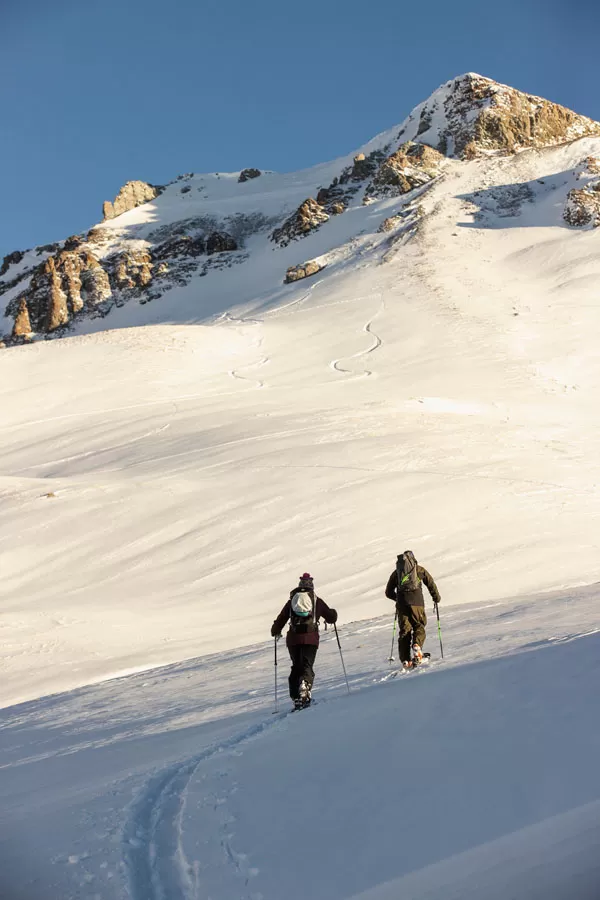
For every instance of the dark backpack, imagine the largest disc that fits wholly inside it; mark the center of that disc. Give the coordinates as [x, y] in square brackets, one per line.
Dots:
[406, 570]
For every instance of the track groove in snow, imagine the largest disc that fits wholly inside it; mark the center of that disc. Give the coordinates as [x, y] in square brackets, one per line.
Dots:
[153, 852]
[377, 342]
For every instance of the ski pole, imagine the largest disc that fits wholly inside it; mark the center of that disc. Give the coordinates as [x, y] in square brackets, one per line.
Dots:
[391, 656]
[341, 656]
[276, 700]
[439, 630]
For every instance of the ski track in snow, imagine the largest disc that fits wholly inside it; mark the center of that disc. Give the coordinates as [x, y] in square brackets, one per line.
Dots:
[152, 838]
[377, 342]
[234, 373]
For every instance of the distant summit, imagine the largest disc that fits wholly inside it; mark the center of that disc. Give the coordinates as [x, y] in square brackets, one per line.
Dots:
[471, 116]
[155, 239]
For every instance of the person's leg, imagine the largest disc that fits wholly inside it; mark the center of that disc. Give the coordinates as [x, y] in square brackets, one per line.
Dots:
[309, 653]
[404, 634]
[419, 621]
[296, 672]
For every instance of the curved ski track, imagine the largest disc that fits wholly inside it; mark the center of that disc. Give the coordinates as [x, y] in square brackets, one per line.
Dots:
[377, 342]
[156, 865]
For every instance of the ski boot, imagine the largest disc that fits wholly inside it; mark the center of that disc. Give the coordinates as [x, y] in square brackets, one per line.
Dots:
[304, 695]
[417, 655]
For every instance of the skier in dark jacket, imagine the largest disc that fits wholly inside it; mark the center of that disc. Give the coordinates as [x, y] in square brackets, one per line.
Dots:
[405, 587]
[303, 610]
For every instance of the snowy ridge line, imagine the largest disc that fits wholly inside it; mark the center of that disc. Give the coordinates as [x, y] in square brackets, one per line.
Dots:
[152, 847]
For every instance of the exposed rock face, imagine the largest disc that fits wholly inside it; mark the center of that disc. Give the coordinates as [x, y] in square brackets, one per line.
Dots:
[364, 167]
[132, 194]
[132, 269]
[180, 245]
[308, 217]
[247, 174]
[482, 116]
[297, 273]
[334, 199]
[389, 224]
[59, 289]
[408, 168]
[12, 259]
[22, 325]
[220, 242]
[592, 165]
[583, 206]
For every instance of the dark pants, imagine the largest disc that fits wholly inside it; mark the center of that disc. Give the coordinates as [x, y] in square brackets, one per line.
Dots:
[411, 629]
[303, 659]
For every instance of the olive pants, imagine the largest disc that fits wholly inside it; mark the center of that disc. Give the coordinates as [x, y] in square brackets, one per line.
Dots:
[411, 629]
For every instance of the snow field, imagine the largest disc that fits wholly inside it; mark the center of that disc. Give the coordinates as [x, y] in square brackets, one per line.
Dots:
[475, 772]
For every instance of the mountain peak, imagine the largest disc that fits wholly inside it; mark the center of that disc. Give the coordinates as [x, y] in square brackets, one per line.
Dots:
[472, 115]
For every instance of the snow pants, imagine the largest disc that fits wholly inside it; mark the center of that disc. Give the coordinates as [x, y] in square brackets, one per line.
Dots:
[411, 629]
[303, 660]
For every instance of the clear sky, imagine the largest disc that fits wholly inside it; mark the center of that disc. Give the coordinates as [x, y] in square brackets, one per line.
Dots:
[94, 94]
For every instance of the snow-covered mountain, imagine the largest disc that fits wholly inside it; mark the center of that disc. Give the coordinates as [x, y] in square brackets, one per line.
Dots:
[207, 430]
[236, 378]
[245, 229]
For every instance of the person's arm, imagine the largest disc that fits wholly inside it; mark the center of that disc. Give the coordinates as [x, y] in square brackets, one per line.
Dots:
[430, 585]
[325, 612]
[277, 626]
[392, 585]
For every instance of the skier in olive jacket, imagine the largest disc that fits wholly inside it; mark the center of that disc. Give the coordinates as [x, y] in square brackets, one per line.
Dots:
[405, 587]
[303, 609]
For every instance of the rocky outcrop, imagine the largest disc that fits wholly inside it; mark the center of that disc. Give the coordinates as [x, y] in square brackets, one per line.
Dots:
[583, 206]
[75, 281]
[132, 194]
[220, 242]
[479, 116]
[363, 166]
[180, 245]
[592, 165]
[389, 224]
[411, 166]
[309, 216]
[132, 269]
[334, 199]
[248, 174]
[12, 259]
[297, 273]
[59, 289]
[22, 326]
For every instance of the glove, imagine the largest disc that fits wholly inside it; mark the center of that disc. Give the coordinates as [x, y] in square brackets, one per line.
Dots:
[334, 616]
[274, 632]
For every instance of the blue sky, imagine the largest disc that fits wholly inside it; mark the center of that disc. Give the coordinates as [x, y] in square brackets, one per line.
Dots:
[94, 94]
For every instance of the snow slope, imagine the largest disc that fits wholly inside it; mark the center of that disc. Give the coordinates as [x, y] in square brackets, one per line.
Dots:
[474, 777]
[165, 479]
[438, 394]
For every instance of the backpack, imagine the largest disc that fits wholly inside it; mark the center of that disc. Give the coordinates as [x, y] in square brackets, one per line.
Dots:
[406, 570]
[303, 608]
